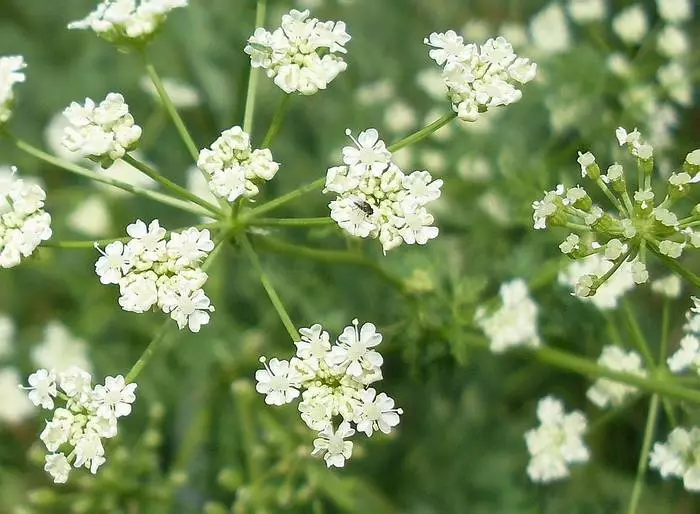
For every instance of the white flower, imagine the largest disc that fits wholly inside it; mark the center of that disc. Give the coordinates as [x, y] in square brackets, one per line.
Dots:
[91, 217]
[278, 381]
[124, 172]
[547, 207]
[124, 21]
[23, 222]
[104, 132]
[669, 286]
[42, 388]
[181, 94]
[147, 240]
[585, 11]
[303, 55]
[60, 350]
[76, 383]
[7, 335]
[190, 246]
[188, 308]
[57, 431]
[115, 397]
[556, 442]
[58, 467]
[369, 155]
[687, 356]
[678, 457]
[355, 350]
[608, 393]
[549, 30]
[631, 24]
[314, 346]
[333, 446]
[89, 452]
[514, 323]
[674, 11]
[53, 134]
[10, 74]
[233, 168]
[14, 407]
[609, 293]
[376, 412]
[672, 42]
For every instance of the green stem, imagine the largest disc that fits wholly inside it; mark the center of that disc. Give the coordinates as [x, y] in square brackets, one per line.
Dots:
[172, 186]
[638, 336]
[170, 107]
[84, 172]
[606, 191]
[269, 288]
[292, 222]
[276, 121]
[644, 454]
[251, 92]
[335, 256]
[284, 199]
[423, 133]
[675, 266]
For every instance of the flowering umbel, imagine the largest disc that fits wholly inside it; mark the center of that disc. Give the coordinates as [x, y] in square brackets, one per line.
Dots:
[152, 271]
[11, 73]
[303, 55]
[87, 416]
[333, 381]
[376, 199]
[23, 222]
[479, 77]
[638, 223]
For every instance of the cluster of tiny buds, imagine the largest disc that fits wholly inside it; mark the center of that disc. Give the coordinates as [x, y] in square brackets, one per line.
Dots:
[88, 415]
[376, 199]
[635, 224]
[151, 271]
[333, 381]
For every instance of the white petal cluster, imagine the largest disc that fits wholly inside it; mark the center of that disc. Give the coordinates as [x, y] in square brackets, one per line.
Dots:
[514, 323]
[60, 350]
[478, 78]
[87, 415]
[14, 407]
[124, 21]
[10, 74]
[233, 167]
[333, 382]
[675, 11]
[631, 24]
[556, 442]
[152, 271]
[608, 393]
[23, 222]
[679, 457]
[608, 295]
[687, 356]
[303, 55]
[102, 132]
[376, 199]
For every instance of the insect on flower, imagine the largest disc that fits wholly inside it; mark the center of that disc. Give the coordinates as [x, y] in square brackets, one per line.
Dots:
[364, 206]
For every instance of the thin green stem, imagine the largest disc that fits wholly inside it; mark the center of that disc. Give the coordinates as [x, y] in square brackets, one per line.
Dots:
[170, 107]
[292, 222]
[251, 92]
[644, 454]
[665, 324]
[269, 288]
[638, 335]
[335, 256]
[276, 121]
[675, 266]
[284, 199]
[606, 191]
[423, 133]
[172, 186]
[97, 177]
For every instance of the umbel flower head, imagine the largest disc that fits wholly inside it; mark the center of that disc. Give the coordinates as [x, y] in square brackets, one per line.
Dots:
[127, 21]
[303, 55]
[87, 415]
[102, 133]
[152, 271]
[23, 222]
[687, 356]
[608, 393]
[333, 381]
[376, 199]
[10, 74]
[640, 221]
[679, 457]
[479, 77]
[233, 168]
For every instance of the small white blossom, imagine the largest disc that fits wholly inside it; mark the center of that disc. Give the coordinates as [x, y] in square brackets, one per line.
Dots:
[631, 24]
[687, 356]
[674, 11]
[60, 350]
[15, 407]
[354, 350]
[279, 381]
[91, 217]
[42, 388]
[586, 11]
[376, 412]
[672, 42]
[58, 467]
[678, 457]
[115, 397]
[608, 393]
[333, 446]
[556, 443]
[549, 30]
[669, 286]
[609, 293]
[10, 74]
[181, 94]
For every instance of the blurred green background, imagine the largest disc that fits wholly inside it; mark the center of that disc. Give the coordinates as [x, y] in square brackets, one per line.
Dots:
[197, 444]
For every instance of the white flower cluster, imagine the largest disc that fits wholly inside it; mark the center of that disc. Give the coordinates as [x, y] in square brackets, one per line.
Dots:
[556, 442]
[233, 166]
[14, 407]
[478, 78]
[608, 393]
[577, 274]
[102, 133]
[152, 272]
[335, 381]
[687, 357]
[11, 73]
[679, 457]
[515, 321]
[23, 222]
[302, 55]
[88, 415]
[123, 21]
[376, 199]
